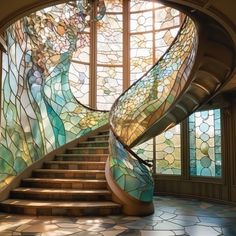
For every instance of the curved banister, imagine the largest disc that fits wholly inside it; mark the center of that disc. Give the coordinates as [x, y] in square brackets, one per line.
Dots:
[138, 108]
[134, 111]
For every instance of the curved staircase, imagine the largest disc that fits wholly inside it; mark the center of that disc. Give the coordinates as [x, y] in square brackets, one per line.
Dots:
[73, 184]
[197, 65]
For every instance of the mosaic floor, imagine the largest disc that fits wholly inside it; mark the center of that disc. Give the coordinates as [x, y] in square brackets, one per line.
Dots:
[173, 216]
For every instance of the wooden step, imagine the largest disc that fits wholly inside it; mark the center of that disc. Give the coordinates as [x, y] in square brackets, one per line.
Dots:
[93, 144]
[81, 157]
[64, 183]
[75, 165]
[78, 174]
[98, 138]
[60, 194]
[107, 132]
[88, 150]
[58, 208]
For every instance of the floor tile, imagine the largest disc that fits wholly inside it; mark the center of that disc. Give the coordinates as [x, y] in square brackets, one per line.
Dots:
[172, 216]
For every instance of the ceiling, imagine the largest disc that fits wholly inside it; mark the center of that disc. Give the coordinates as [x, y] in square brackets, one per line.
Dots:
[222, 11]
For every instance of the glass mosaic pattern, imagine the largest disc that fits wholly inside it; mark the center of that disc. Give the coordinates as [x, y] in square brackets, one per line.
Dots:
[157, 89]
[168, 152]
[110, 55]
[79, 70]
[130, 175]
[105, 65]
[40, 113]
[174, 216]
[131, 117]
[145, 150]
[150, 37]
[205, 143]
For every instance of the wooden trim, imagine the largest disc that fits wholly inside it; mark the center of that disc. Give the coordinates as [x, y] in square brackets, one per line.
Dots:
[93, 59]
[126, 45]
[184, 150]
[154, 167]
[1, 94]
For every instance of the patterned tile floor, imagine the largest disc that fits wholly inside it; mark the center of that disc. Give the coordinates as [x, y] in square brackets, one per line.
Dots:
[173, 216]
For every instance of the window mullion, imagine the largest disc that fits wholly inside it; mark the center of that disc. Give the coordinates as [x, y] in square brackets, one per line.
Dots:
[93, 58]
[126, 44]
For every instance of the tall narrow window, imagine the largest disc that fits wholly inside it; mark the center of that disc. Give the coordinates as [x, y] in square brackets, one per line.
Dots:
[205, 143]
[110, 55]
[168, 152]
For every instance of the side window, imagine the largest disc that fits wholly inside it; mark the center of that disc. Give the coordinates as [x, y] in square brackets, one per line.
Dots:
[168, 152]
[205, 143]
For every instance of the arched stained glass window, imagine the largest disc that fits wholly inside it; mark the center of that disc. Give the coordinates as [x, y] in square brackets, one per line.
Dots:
[205, 143]
[118, 49]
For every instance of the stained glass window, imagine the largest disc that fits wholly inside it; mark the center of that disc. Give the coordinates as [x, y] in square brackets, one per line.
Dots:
[152, 29]
[145, 150]
[168, 152]
[205, 143]
[100, 63]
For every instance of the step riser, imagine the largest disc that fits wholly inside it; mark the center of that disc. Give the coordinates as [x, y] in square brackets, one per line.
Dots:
[104, 133]
[105, 144]
[59, 187]
[97, 166]
[69, 175]
[81, 158]
[82, 186]
[61, 196]
[49, 211]
[88, 151]
[98, 138]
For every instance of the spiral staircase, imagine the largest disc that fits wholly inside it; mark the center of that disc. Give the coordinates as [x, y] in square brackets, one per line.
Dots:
[195, 69]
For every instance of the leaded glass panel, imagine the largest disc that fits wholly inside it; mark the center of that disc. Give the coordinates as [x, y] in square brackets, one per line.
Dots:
[168, 152]
[145, 150]
[109, 86]
[205, 143]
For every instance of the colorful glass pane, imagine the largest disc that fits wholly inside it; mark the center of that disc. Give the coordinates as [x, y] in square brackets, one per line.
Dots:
[39, 111]
[157, 89]
[149, 39]
[145, 150]
[109, 56]
[131, 175]
[205, 143]
[79, 81]
[168, 152]
[109, 86]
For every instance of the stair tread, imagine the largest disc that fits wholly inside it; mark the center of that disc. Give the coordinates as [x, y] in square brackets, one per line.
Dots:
[95, 141]
[60, 204]
[66, 171]
[65, 180]
[64, 191]
[98, 147]
[85, 155]
[75, 162]
[98, 136]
